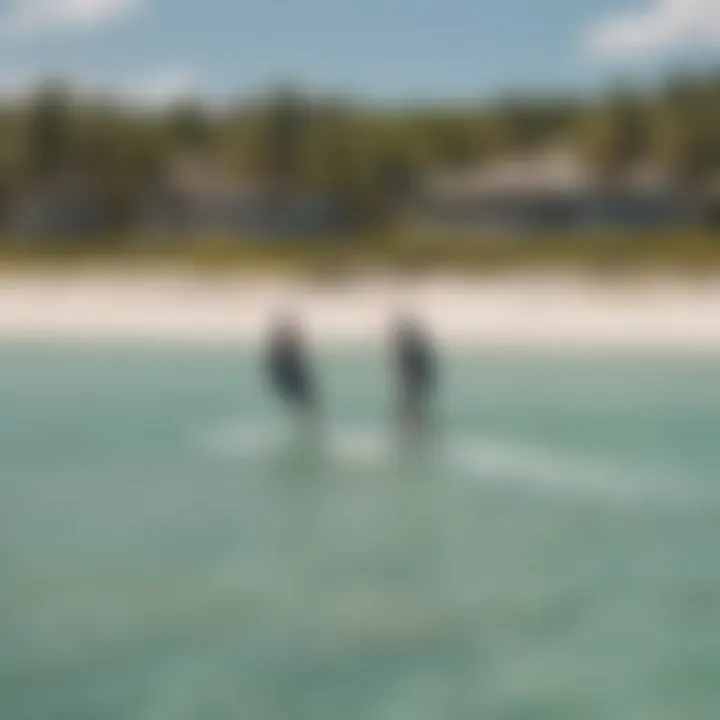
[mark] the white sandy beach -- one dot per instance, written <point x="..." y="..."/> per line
<point x="542" y="312"/>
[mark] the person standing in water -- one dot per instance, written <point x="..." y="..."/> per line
<point x="289" y="370"/>
<point x="416" y="366"/>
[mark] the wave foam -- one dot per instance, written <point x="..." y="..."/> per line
<point x="484" y="459"/>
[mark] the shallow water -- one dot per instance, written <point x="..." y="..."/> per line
<point x="168" y="551"/>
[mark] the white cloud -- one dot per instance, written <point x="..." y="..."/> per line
<point x="27" y="18"/>
<point x="155" y="88"/>
<point x="665" y="25"/>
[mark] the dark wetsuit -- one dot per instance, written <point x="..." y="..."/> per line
<point x="288" y="369"/>
<point x="417" y="370"/>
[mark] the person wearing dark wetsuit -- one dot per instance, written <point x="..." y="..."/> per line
<point x="416" y="367"/>
<point x="288" y="368"/>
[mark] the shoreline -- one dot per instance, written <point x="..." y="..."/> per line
<point x="512" y="311"/>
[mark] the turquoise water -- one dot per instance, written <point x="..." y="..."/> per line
<point x="168" y="551"/>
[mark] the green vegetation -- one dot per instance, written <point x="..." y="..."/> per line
<point x="332" y="259"/>
<point x="365" y="156"/>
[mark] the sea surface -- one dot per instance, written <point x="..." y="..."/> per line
<point x="171" y="549"/>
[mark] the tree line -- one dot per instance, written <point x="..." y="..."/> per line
<point x="362" y="156"/>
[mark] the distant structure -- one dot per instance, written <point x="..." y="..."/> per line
<point x="709" y="203"/>
<point x="200" y="199"/>
<point x="552" y="191"/>
<point x="64" y="208"/>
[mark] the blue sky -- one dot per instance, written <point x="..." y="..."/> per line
<point x="153" y="50"/>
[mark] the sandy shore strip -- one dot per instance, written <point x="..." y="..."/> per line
<point x="541" y="312"/>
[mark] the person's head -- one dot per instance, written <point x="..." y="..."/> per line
<point x="287" y="325"/>
<point x="406" y="324"/>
